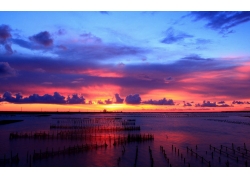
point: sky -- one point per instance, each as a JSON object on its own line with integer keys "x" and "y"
{"x": 124, "y": 60}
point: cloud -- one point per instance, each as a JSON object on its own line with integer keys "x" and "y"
{"x": 118, "y": 100}
{"x": 8, "y": 49}
{"x": 163, "y": 101}
{"x": 133, "y": 99}
{"x": 168, "y": 79}
{"x": 221, "y": 102}
{"x": 173, "y": 36}
{"x": 56, "y": 98}
{"x": 6, "y": 70}
{"x": 201, "y": 78}
{"x": 62, "y": 47}
{"x": 187, "y": 104}
{"x": 211, "y": 104}
{"x": 196, "y": 57}
{"x": 42, "y": 38}
{"x": 4, "y": 33}
{"x": 35, "y": 98}
{"x": 89, "y": 38}
{"x": 61, "y": 32}
{"x": 221, "y": 21}
{"x": 108, "y": 101}
{"x": 100, "y": 102}
{"x": 206, "y": 104}
{"x": 237, "y": 102}
{"x": 75, "y": 99}
{"x": 23, "y": 43}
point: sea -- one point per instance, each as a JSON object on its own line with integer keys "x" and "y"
{"x": 116, "y": 139}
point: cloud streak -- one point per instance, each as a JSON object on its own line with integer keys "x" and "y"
{"x": 173, "y": 36}
{"x": 223, "y": 22}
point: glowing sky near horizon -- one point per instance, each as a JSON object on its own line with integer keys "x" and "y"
{"x": 150, "y": 60}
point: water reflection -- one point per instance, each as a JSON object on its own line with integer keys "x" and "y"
{"x": 177, "y": 139}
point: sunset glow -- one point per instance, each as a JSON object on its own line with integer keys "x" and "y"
{"x": 124, "y": 61}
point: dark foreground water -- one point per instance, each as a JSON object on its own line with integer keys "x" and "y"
{"x": 126, "y": 140}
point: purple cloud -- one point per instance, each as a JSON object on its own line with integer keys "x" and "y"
{"x": 118, "y": 100}
{"x": 173, "y": 36}
{"x": 163, "y": 101}
{"x": 133, "y": 99}
{"x": 42, "y": 38}
{"x": 4, "y": 33}
{"x": 6, "y": 70}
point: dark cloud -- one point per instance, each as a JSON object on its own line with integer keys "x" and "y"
{"x": 163, "y": 101}
{"x": 211, "y": 104}
{"x": 100, "y": 102}
{"x": 133, "y": 99}
{"x": 221, "y": 102}
{"x": 42, "y": 38}
{"x": 108, "y": 101}
{"x": 4, "y": 33}
{"x": 56, "y": 98}
{"x": 6, "y": 70}
{"x": 237, "y": 102}
{"x": 221, "y": 21}
{"x": 206, "y": 104}
{"x": 173, "y": 36}
{"x": 118, "y": 100}
{"x": 75, "y": 99}
{"x": 35, "y": 98}
{"x": 187, "y": 104}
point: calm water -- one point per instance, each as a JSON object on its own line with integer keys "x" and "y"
{"x": 173, "y": 134}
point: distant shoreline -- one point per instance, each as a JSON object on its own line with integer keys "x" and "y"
{"x": 56, "y": 112}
